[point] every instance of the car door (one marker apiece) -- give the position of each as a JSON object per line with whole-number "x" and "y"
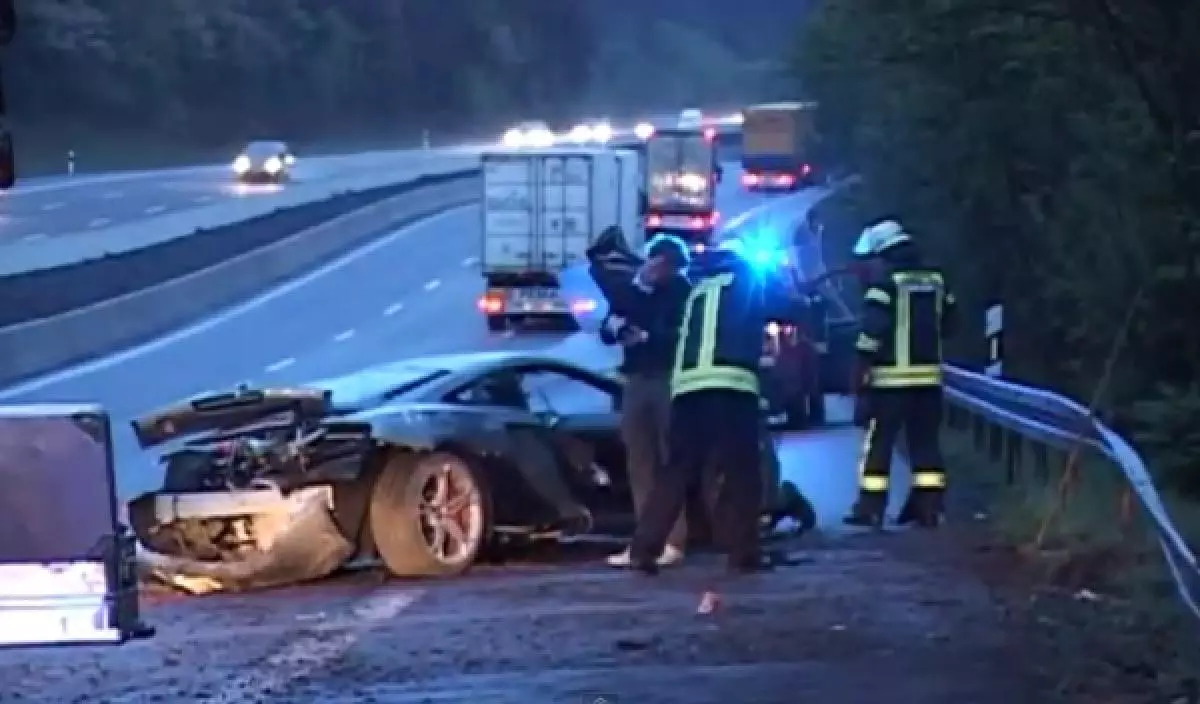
{"x": 533, "y": 449}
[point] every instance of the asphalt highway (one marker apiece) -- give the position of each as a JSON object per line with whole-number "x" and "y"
{"x": 43, "y": 209}
{"x": 411, "y": 293}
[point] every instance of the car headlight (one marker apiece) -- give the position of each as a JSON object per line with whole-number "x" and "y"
{"x": 514, "y": 138}
{"x": 644, "y": 130}
{"x": 273, "y": 165}
{"x": 581, "y": 134}
{"x": 602, "y": 133}
{"x": 241, "y": 164}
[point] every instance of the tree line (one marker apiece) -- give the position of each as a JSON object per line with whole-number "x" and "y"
{"x": 1048, "y": 153}
{"x": 183, "y": 78}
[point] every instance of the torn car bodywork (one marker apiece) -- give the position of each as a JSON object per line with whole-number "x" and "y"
{"x": 274, "y": 486}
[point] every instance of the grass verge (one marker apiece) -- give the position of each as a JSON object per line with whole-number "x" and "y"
{"x": 1103, "y": 614}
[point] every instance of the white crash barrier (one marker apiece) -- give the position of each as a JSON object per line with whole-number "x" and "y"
{"x": 78, "y": 247}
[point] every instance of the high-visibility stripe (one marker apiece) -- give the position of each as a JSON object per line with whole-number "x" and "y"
{"x": 894, "y": 377}
{"x": 867, "y": 480}
{"x": 878, "y": 295}
{"x": 687, "y": 381}
{"x": 866, "y": 343}
{"x": 873, "y": 483}
{"x": 929, "y": 479}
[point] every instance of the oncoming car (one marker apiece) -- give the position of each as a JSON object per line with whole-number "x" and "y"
{"x": 598, "y": 132}
{"x": 264, "y": 161}
{"x": 424, "y": 465}
{"x": 533, "y": 134}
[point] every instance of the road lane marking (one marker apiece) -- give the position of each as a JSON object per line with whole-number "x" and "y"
{"x": 34, "y": 237}
{"x": 309, "y": 653}
{"x": 233, "y": 311}
{"x": 99, "y": 222}
{"x": 470, "y": 261}
{"x": 429, "y": 286}
{"x": 155, "y": 209}
{"x": 52, "y": 206}
{"x": 393, "y": 309}
{"x": 343, "y": 336}
{"x": 281, "y": 364}
{"x": 112, "y": 195}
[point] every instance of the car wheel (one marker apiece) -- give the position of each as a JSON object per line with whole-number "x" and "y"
{"x": 496, "y": 323}
{"x": 429, "y": 515}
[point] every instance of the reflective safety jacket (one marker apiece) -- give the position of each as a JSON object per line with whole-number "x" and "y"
{"x": 720, "y": 340}
{"x": 907, "y": 312}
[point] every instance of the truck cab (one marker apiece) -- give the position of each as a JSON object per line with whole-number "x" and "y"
{"x": 681, "y": 176}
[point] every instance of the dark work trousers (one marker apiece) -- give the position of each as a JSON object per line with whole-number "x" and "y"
{"x": 711, "y": 431}
{"x": 917, "y": 412}
{"x": 644, "y": 425}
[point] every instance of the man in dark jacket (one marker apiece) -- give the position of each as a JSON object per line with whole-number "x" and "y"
{"x": 715, "y": 419}
{"x": 648, "y": 331}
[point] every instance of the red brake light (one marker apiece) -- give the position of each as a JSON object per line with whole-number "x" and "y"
{"x": 806, "y": 169}
{"x": 654, "y": 221}
{"x": 786, "y": 179}
{"x": 710, "y": 133}
{"x": 750, "y": 179}
{"x": 697, "y": 222}
{"x": 491, "y": 303}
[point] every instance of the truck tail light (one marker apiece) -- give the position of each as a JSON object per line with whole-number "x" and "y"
{"x": 491, "y": 303}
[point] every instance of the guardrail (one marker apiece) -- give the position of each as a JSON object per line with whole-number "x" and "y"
{"x": 1014, "y": 423}
{"x": 1011, "y": 423}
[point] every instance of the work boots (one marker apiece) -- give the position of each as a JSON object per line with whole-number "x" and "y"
{"x": 923, "y": 508}
{"x": 868, "y": 511}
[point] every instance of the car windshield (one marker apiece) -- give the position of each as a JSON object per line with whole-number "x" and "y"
{"x": 258, "y": 150}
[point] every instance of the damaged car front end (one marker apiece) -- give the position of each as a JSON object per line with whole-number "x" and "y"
{"x": 249, "y": 502}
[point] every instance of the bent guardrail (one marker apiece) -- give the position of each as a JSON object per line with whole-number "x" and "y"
{"x": 1005, "y": 416}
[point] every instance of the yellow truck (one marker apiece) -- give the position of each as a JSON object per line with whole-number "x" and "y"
{"x": 778, "y": 141}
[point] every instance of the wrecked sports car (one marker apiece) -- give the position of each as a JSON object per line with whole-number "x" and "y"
{"x": 424, "y": 465}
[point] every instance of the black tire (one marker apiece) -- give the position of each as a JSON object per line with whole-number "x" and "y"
{"x": 496, "y": 323}
{"x": 396, "y": 519}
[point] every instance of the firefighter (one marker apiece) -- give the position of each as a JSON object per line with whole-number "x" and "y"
{"x": 715, "y": 417}
{"x": 907, "y": 310}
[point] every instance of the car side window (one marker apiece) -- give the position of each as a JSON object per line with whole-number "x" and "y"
{"x": 502, "y": 389}
{"x": 552, "y": 391}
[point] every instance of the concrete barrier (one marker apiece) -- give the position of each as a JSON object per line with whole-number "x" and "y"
{"x": 40, "y": 346}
